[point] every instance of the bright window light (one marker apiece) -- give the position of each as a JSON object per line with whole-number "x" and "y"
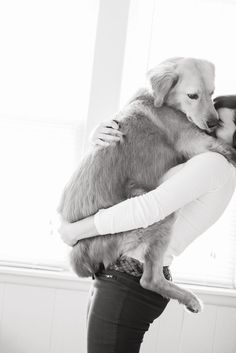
{"x": 197, "y": 28}
{"x": 202, "y": 29}
{"x": 161, "y": 29}
{"x": 45, "y": 69}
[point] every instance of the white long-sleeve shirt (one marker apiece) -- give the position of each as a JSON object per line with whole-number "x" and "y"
{"x": 199, "y": 189}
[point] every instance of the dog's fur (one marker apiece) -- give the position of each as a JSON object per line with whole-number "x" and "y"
{"x": 157, "y": 137}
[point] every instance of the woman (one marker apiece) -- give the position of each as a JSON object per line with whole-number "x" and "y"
{"x": 120, "y": 310}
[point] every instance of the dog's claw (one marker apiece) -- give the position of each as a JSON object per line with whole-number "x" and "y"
{"x": 195, "y": 311}
{"x": 194, "y": 305}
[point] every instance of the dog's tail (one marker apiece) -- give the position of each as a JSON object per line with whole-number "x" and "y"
{"x": 87, "y": 256}
{"x": 80, "y": 260}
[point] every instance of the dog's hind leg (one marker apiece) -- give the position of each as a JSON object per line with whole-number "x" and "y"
{"x": 157, "y": 236}
{"x": 153, "y": 278}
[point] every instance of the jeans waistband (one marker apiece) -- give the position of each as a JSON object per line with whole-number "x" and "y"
{"x": 126, "y": 276}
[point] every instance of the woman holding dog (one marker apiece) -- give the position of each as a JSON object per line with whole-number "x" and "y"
{"x": 120, "y": 310}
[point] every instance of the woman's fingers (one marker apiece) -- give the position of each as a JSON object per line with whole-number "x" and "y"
{"x": 108, "y": 138}
{"x": 111, "y": 131}
{"x": 106, "y": 134}
{"x": 111, "y": 123}
{"x": 100, "y": 142}
{"x": 65, "y": 234}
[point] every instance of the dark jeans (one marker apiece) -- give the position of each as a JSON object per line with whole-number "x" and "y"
{"x": 120, "y": 312}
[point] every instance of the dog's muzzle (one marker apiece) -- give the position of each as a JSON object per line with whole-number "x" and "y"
{"x": 212, "y": 123}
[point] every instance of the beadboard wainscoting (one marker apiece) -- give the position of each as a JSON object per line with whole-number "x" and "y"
{"x": 45, "y": 312}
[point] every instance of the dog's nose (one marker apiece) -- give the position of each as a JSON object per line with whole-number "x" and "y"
{"x": 212, "y": 122}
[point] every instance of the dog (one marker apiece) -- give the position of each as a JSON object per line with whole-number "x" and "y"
{"x": 163, "y": 125}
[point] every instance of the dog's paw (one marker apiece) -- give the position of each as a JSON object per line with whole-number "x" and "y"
{"x": 194, "y": 305}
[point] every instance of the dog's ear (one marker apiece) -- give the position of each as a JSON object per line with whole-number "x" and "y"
{"x": 162, "y": 79}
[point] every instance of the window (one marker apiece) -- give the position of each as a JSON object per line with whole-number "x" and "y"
{"x": 64, "y": 66}
{"x": 45, "y": 68}
{"x": 161, "y": 29}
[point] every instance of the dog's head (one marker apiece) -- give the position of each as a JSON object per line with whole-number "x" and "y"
{"x": 186, "y": 84}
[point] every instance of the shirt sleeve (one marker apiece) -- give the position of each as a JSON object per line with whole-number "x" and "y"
{"x": 182, "y": 184}
{"x": 137, "y": 212}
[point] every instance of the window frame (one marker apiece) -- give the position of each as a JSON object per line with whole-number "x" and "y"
{"x": 118, "y": 23}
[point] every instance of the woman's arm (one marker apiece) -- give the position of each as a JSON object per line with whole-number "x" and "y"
{"x": 183, "y": 184}
{"x": 71, "y": 233}
{"x": 105, "y": 134}
{"x": 201, "y": 174}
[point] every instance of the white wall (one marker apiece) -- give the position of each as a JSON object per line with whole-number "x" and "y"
{"x": 42, "y": 312}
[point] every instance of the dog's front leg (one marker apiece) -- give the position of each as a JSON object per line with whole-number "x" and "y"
{"x": 195, "y": 142}
{"x": 227, "y": 151}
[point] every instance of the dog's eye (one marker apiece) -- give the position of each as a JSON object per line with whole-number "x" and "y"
{"x": 193, "y": 95}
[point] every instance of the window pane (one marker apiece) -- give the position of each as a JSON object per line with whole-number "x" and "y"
{"x": 161, "y": 29}
{"x": 197, "y": 28}
{"x": 46, "y": 57}
{"x": 203, "y": 29}
{"x": 210, "y": 259}
{"x": 45, "y": 74}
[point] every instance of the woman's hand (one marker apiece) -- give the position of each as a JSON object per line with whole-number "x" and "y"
{"x": 71, "y": 233}
{"x": 106, "y": 134}
{"x": 66, "y": 232}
